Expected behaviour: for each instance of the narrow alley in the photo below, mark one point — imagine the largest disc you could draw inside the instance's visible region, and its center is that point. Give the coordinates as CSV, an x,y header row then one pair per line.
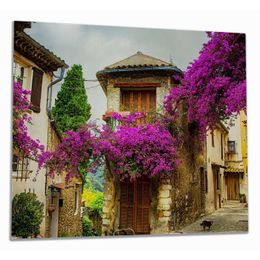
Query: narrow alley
x,y
232,217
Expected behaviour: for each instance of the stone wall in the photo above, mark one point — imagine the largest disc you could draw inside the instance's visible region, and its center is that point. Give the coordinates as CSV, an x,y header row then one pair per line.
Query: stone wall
x,y
186,193
110,205
69,218
164,207
113,93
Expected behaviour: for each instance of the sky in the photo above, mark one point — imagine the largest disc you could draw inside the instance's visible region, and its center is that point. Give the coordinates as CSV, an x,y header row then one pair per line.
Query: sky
x,y
95,47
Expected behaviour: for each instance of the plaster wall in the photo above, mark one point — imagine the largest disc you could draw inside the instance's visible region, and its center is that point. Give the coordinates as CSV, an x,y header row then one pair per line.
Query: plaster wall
x,y
37,130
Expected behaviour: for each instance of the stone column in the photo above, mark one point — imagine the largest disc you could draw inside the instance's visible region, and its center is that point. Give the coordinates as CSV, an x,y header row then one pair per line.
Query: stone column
x,y
164,206
108,217
113,98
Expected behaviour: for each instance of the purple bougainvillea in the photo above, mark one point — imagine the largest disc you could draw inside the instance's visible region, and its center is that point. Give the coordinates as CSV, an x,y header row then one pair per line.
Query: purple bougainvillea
x,y
141,149
131,151
214,85
22,142
213,88
74,151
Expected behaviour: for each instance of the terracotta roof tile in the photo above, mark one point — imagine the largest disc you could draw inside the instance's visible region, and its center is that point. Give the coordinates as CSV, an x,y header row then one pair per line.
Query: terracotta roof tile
x,y
139,60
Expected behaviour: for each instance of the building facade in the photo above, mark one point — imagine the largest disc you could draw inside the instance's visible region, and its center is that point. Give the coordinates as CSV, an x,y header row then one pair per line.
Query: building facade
x,y
236,158
243,126
63,200
140,83
215,190
33,66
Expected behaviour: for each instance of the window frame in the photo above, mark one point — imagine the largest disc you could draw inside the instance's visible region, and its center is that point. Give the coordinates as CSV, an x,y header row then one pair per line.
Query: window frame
x,y
222,146
233,150
20,168
36,89
212,139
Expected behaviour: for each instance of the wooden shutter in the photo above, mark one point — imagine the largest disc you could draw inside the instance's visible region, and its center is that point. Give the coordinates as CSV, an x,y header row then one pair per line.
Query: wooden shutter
x,y
135,205
36,90
142,223
127,205
138,100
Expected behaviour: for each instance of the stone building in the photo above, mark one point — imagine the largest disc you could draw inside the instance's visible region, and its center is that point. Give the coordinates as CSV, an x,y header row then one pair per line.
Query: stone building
x,y
226,160
236,158
63,201
243,127
214,183
148,205
33,65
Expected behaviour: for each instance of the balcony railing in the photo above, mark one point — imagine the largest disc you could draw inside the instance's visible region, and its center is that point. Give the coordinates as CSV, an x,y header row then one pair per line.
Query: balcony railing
x,y
143,118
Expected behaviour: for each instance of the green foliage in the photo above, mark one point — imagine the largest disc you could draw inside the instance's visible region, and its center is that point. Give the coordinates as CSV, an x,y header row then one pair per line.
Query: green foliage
x,y
93,193
93,200
87,227
95,181
96,204
27,215
72,109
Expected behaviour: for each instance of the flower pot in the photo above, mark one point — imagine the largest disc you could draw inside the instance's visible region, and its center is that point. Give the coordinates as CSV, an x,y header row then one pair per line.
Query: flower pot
x,y
51,208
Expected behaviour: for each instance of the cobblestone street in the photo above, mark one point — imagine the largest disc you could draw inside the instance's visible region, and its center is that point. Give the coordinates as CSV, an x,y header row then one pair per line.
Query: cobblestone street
x,y
231,218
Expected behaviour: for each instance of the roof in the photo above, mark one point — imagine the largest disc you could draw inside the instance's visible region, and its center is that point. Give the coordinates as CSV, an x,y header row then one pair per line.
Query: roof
x,y
60,186
139,60
34,51
221,125
234,170
138,64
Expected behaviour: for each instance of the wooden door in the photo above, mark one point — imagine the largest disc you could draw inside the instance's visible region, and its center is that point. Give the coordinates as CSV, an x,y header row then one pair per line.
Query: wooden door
x,y
135,205
216,185
138,101
232,182
202,190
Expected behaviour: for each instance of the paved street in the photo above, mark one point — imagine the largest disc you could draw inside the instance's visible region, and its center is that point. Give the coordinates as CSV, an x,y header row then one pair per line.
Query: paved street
x,y
231,218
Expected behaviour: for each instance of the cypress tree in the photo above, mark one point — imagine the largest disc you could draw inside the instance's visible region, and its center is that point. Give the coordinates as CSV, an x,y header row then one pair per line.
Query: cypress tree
x,y
71,110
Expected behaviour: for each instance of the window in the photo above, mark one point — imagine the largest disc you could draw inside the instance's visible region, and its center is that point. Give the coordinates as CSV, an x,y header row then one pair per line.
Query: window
x,y
206,182
15,163
36,90
217,178
231,146
18,73
221,147
21,76
20,167
212,139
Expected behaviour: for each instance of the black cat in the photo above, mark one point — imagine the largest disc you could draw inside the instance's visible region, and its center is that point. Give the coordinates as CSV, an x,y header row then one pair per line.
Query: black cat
x,y
206,223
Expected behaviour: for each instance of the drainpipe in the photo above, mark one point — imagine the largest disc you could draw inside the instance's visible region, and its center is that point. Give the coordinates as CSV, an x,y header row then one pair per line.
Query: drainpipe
x,y
49,91
48,110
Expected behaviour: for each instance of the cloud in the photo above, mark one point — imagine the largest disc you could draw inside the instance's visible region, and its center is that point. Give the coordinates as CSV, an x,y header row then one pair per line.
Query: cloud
x,y
95,47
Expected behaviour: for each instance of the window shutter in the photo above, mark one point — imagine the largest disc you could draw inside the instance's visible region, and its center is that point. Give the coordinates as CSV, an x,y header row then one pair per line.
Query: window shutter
x,y
138,101
127,205
135,205
142,208
36,90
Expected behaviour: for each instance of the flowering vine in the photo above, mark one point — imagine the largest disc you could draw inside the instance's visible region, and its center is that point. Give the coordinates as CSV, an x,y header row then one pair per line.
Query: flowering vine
x,y
22,141
78,149
214,85
131,150
213,88
139,149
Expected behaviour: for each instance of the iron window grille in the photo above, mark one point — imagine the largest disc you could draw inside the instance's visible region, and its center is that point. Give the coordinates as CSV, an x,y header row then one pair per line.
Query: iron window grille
x,y
20,167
